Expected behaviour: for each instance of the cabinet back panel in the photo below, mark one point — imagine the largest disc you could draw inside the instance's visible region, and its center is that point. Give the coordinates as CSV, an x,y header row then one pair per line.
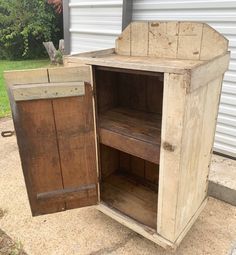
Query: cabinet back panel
x,y
134,91
113,160
107,90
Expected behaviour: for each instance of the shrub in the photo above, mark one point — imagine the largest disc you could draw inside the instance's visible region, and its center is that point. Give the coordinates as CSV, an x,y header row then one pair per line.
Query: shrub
x,y
24,25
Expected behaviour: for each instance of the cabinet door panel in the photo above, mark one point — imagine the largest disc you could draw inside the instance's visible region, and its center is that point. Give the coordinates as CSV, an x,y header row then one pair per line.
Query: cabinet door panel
x,y
55,135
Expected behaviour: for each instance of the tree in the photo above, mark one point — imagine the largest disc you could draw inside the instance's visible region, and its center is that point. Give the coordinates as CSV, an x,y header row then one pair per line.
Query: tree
x,y
24,25
57,5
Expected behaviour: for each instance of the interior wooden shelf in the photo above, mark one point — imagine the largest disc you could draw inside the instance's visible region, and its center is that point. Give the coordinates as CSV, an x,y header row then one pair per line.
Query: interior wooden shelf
x,y
131,198
135,132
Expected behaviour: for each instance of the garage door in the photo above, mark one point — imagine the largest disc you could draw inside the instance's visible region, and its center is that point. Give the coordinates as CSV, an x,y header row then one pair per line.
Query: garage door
x,y
221,15
94,25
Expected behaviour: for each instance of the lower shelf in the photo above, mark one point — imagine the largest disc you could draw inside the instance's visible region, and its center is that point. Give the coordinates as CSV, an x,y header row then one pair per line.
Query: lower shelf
x,y
135,132
131,198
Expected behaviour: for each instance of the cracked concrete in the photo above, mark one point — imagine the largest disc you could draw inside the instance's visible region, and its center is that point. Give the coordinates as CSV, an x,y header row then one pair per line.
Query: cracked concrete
x,y
87,231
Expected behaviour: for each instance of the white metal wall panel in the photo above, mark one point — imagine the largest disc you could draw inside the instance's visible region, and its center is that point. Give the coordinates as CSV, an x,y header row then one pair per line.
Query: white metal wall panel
x,y
94,25
221,15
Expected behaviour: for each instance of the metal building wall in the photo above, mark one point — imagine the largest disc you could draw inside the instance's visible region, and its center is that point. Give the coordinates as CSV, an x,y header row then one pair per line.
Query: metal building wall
x,y
221,15
94,25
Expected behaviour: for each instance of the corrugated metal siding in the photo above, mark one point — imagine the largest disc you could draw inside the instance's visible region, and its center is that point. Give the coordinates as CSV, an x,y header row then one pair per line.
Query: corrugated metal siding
x,y
221,15
94,25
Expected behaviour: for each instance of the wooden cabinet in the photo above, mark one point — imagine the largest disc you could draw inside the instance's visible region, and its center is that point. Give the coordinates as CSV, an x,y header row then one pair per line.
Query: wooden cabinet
x,y
129,129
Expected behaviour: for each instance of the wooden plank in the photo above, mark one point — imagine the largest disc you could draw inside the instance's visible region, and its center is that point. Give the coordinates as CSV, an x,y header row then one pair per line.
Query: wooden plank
x,y
163,39
47,90
36,137
70,74
137,166
191,145
154,94
106,89
130,145
213,43
131,123
76,142
123,42
178,66
130,71
139,38
65,195
151,172
30,76
141,229
172,125
125,162
190,223
207,72
190,39
197,143
208,133
131,198
109,158
96,53
137,89
139,179
73,61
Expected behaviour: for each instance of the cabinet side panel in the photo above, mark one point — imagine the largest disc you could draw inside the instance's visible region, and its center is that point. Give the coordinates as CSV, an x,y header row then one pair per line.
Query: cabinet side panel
x,y
172,125
198,136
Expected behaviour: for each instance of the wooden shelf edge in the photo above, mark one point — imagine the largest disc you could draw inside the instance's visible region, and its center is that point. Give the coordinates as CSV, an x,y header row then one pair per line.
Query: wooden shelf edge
x,y
130,145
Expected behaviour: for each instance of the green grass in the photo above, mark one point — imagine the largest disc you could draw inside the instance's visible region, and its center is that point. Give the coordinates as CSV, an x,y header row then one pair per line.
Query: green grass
x,y
14,65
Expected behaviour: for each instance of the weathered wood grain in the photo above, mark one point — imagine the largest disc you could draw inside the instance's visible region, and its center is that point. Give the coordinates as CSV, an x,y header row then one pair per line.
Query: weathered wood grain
x,y
171,39
67,74
37,141
163,39
197,142
141,229
189,41
110,160
30,76
56,139
172,124
133,199
139,39
213,43
123,42
76,143
47,90
202,75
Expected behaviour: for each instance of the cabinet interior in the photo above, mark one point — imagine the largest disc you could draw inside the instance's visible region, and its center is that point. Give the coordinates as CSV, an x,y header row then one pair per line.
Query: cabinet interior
x,y
129,107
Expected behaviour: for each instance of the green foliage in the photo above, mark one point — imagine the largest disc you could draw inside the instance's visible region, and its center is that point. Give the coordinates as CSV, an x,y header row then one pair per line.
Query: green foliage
x,y
59,57
24,25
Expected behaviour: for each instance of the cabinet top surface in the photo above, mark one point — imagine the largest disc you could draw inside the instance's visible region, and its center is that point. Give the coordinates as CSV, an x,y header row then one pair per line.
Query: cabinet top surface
x,y
109,58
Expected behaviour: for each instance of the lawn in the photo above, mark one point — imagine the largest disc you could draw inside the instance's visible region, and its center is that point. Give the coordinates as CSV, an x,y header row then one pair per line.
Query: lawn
x,y
14,65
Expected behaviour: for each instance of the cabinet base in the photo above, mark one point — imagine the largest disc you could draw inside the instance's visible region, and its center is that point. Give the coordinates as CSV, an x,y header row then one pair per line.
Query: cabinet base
x,y
145,231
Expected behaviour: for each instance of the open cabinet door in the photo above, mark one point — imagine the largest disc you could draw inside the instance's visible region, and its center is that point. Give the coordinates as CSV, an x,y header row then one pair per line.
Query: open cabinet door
x,y
53,113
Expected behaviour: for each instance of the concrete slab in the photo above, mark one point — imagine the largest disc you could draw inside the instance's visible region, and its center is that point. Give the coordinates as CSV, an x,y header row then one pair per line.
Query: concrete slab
x,y
222,179
87,231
